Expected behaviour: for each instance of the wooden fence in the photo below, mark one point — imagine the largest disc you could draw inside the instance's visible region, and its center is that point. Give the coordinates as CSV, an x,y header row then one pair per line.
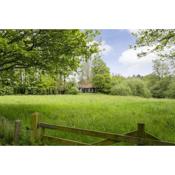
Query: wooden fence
x,y
138,137
16,134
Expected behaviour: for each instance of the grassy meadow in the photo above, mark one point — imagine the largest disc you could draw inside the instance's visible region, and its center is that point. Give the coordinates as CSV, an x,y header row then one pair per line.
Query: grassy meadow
x,y
94,111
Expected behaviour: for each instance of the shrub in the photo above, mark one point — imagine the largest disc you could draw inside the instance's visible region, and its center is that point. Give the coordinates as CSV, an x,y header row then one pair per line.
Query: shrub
x,y
2,91
43,91
72,90
170,92
101,77
102,83
159,89
121,89
138,87
117,79
6,90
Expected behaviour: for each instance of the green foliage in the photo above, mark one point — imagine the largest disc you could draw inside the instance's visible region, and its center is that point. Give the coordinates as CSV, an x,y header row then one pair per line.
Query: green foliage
x,y
159,38
46,81
46,49
130,86
170,92
160,87
138,87
121,89
39,61
72,90
6,90
101,77
150,80
117,79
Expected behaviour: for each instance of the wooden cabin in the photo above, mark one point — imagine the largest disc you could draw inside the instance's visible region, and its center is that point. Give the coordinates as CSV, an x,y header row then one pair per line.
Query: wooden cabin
x,y
87,88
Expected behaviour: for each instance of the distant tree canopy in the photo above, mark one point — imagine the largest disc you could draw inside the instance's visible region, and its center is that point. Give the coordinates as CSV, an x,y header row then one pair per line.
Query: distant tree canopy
x,y
101,77
45,49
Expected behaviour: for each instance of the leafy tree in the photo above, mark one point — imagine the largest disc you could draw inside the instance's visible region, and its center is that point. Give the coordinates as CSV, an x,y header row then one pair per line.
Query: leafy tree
x,y
122,89
138,87
116,79
161,68
150,80
158,41
46,80
72,90
101,77
170,92
40,58
45,48
160,87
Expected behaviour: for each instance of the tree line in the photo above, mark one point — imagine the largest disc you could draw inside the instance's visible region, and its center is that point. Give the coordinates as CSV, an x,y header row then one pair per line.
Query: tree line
x,y
159,84
55,61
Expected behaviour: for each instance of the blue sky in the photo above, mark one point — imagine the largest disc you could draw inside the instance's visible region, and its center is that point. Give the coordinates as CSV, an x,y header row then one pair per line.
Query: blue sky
x,y
119,57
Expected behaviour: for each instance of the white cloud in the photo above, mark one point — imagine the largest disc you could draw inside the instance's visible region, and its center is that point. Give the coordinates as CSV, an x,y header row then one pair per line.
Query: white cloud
x,y
130,64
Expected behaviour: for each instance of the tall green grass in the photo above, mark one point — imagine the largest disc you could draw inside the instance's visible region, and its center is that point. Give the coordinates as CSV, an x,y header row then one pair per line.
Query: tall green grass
x,y
94,111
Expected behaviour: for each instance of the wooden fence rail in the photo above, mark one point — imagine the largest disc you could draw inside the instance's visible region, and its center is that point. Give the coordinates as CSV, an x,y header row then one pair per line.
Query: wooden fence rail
x,y
138,137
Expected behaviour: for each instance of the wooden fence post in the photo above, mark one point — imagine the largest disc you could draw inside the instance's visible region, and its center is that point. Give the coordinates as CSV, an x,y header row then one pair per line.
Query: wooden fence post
x,y
17,132
140,133
34,127
42,132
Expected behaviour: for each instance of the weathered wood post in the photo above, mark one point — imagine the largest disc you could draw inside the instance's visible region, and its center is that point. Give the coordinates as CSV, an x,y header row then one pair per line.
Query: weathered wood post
x,y
34,127
42,132
17,132
140,133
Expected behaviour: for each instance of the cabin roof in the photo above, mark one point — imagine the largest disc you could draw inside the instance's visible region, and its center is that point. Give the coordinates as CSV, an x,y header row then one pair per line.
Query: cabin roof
x,y
86,85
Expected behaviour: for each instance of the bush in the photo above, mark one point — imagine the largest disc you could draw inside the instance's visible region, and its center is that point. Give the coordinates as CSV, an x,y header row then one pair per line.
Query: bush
x,y
121,89
117,79
72,90
41,90
102,83
138,87
6,90
135,87
2,92
159,89
170,92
